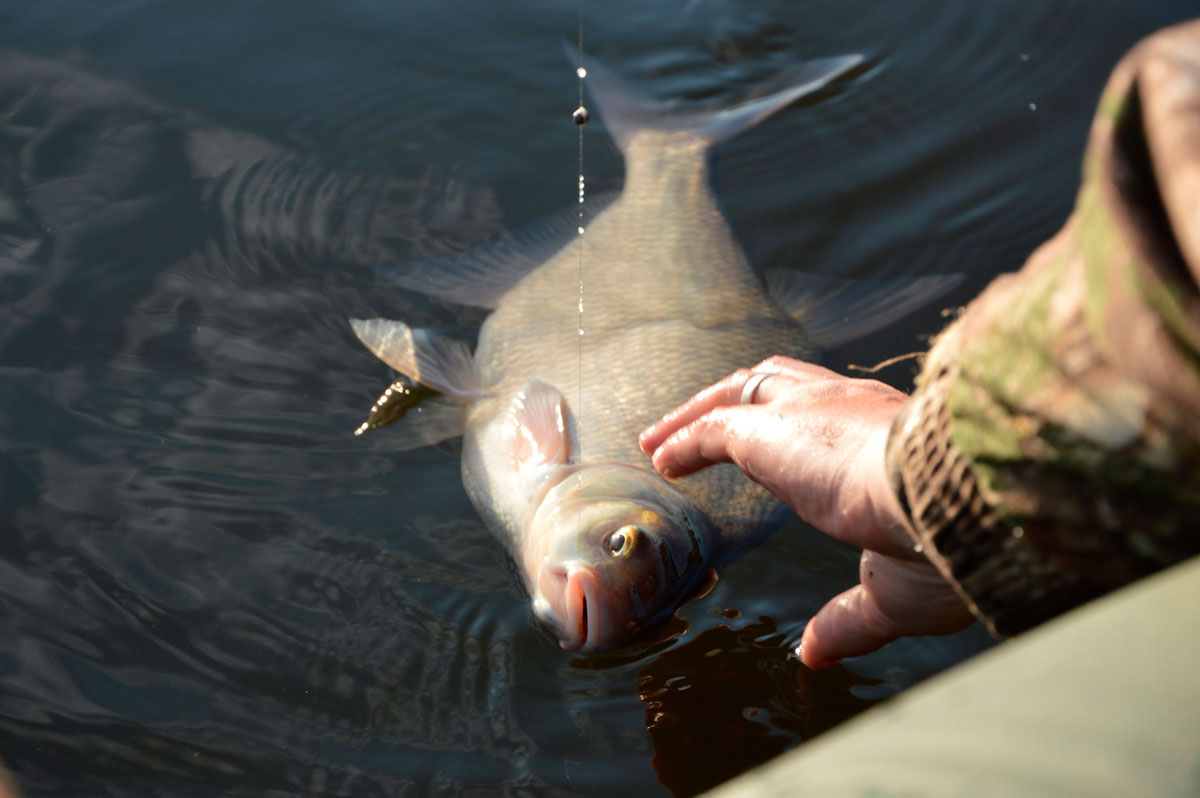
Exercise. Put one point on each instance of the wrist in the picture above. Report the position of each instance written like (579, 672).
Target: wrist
(886, 513)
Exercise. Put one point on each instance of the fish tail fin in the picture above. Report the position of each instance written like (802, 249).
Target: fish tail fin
(627, 111)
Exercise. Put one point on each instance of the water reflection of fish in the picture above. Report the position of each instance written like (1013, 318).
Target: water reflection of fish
(132, 157)
(550, 415)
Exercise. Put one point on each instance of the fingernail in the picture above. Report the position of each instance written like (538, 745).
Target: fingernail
(811, 661)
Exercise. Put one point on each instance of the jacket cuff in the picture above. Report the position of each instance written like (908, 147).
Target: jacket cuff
(1006, 581)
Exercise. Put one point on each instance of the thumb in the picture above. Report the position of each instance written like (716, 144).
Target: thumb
(848, 626)
(896, 598)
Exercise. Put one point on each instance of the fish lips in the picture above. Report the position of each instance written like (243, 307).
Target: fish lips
(586, 615)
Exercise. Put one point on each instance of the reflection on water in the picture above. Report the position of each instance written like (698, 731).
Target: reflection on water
(734, 697)
(208, 584)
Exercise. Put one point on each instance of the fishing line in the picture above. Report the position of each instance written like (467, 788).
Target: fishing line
(581, 118)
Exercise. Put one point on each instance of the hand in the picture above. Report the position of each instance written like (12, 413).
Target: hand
(816, 440)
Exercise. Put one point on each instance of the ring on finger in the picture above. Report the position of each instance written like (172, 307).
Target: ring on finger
(751, 386)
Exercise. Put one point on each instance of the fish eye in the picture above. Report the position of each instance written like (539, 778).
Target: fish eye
(622, 542)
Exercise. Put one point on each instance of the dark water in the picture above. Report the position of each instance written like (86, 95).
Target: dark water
(208, 586)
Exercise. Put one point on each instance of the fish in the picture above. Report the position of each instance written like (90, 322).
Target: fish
(599, 333)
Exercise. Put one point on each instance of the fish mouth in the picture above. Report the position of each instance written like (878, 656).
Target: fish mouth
(577, 606)
(577, 610)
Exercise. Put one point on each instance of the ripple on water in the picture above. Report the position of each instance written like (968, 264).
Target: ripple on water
(733, 697)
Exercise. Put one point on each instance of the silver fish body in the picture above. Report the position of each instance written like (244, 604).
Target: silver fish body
(654, 301)
(669, 305)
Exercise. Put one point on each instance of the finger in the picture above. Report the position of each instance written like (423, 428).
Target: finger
(706, 441)
(896, 598)
(758, 385)
(848, 626)
(714, 427)
(727, 391)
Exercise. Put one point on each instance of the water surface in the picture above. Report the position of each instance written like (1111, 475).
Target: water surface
(209, 586)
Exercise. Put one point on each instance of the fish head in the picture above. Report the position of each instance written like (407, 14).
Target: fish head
(614, 549)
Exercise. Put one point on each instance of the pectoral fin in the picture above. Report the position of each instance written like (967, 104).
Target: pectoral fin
(835, 310)
(537, 427)
(425, 356)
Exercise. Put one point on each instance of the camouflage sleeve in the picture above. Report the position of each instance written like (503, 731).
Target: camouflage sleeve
(1051, 450)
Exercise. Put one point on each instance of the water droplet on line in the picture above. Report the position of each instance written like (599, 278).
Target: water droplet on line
(581, 72)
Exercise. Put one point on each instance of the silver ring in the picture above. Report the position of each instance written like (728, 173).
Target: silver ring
(751, 386)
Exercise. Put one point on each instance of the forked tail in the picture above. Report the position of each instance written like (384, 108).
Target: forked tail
(627, 111)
